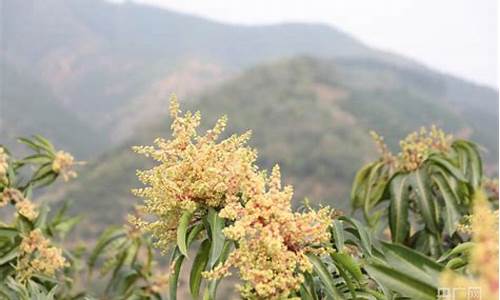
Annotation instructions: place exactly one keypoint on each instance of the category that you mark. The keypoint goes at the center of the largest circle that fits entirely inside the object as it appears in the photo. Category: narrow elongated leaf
(338, 234)
(109, 236)
(44, 143)
(216, 225)
(42, 171)
(375, 187)
(28, 143)
(305, 293)
(359, 185)
(39, 159)
(193, 233)
(349, 264)
(402, 283)
(182, 232)
(309, 283)
(199, 265)
(325, 277)
(474, 167)
(347, 280)
(364, 236)
(7, 257)
(8, 233)
(398, 208)
(421, 184)
(452, 216)
(211, 289)
(458, 250)
(412, 262)
(177, 260)
(448, 166)
(456, 263)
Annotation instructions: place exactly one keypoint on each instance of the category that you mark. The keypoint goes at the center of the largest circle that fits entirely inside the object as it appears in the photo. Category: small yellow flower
(383, 149)
(483, 261)
(415, 148)
(11, 195)
(3, 165)
(27, 209)
(273, 242)
(63, 164)
(38, 257)
(193, 171)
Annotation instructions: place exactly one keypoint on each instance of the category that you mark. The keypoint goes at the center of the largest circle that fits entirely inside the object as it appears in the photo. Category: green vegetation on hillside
(205, 194)
(313, 117)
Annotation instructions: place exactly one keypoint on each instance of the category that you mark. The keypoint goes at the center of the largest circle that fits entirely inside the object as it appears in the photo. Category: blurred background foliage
(94, 77)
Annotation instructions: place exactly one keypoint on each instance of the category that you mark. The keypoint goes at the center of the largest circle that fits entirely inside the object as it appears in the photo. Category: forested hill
(312, 117)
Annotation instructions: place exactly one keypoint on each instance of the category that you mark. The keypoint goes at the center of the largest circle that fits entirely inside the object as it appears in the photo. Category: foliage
(423, 192)
(35, 260)
(206, 199)
(311, 116)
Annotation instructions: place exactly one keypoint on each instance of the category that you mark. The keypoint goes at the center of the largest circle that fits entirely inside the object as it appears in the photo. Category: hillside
(28, 106)
(312, 117)
(100, 59)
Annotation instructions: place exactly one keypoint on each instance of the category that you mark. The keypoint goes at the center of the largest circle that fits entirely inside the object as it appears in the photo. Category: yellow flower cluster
(194, 172)
(3, 165)
(383, 149)
(63, 164)
(11, 195)
(415, 148)
(483, 263)
(23, 205)
(38, 257)
(273, 242)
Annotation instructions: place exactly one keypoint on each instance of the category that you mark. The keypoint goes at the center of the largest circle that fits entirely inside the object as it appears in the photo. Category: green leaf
(421, 184)
(182, 231)
(44, 180)
(8, 233)
(452, 215)
(305, 293)
(177, 260)
(349, 264)
(364, 236)
(211, 290)
(458, 250)
(401, 282)
(109, 236)
(28, 143)
(7, 257)
(338, 234)
(359, 185)
(193, 233)
(456, 263)
(199, 265)
(398, 208)
(412, 262)
(42, 171)
(38, 159)
(374, 190)
(473, 164)
(310, 285)
(448, 166)
(66, 225)
(44, 143)
(216, 225)
(325, 277)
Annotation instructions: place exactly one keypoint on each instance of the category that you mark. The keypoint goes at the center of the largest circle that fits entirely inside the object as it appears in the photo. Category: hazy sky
(454, 36)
